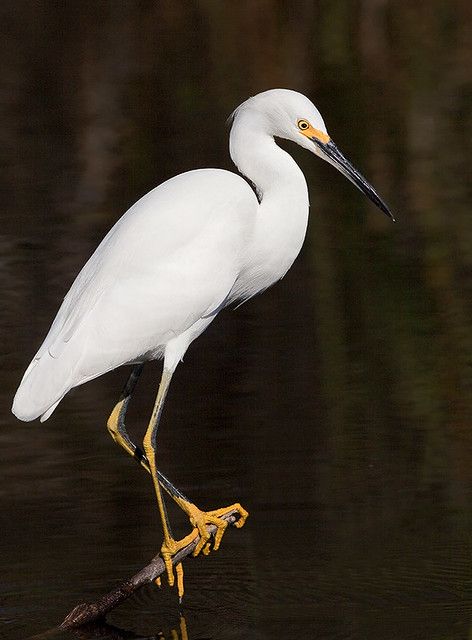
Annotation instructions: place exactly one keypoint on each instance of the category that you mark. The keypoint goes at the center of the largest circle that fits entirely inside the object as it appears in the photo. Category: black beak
(336, 158)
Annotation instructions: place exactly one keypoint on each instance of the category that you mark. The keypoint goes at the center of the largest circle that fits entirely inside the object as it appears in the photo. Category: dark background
(336, 407)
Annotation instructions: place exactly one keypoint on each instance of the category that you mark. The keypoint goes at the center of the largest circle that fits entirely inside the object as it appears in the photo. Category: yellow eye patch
(310, 132)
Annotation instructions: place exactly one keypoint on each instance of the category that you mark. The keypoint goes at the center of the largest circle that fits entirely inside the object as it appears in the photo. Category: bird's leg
(199, 519)
(117, 428)
(116, 422)
(169, 546)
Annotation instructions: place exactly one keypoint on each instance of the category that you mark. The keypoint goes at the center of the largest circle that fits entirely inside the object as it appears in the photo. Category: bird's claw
(200, 521)
(168, 550)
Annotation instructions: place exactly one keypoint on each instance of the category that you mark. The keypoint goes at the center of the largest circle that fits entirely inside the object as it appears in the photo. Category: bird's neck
(280, 226)
(270, 169)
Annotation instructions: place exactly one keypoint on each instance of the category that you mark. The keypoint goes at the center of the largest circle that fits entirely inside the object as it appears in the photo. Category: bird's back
(172, 258)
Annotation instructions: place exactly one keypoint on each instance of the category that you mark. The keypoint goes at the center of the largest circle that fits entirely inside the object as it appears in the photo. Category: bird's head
(291, 115)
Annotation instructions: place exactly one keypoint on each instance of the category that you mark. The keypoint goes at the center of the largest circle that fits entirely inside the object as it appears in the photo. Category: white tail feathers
(42, 388)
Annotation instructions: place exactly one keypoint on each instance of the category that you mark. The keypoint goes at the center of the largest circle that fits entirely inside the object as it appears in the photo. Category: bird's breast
(277, 238)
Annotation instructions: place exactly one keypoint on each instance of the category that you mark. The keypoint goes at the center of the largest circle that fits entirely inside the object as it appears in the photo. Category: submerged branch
(89, 612)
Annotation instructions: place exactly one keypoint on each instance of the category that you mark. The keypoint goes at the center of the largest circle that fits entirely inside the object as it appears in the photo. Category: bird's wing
(161, 223)
(142, 255)
(85, 292)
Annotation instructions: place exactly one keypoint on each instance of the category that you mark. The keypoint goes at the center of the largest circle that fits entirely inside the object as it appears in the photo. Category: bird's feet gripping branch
(205, 524)
(200, 521)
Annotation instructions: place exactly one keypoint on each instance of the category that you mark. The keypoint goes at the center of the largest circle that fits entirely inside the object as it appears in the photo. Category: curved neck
(258, 157)
(280, 226)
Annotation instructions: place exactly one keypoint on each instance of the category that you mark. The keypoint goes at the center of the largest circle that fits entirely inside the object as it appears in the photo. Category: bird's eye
(303, 125)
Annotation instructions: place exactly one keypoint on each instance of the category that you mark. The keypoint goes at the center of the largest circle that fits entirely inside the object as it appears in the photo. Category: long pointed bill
(332, 154)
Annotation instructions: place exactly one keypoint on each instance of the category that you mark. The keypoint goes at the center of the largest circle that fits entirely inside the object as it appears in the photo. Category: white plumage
(185, 250)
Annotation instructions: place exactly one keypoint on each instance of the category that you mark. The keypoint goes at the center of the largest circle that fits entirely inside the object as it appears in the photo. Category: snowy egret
(190, 247)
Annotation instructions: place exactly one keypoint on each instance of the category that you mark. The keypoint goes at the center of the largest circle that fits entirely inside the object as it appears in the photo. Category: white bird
(190, 247)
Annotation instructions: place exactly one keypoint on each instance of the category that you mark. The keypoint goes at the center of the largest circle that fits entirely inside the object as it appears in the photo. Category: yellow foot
(168, 550)
(200, 521)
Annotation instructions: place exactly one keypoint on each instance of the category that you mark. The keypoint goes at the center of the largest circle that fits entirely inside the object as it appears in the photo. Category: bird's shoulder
(200, 190)
(173, 214)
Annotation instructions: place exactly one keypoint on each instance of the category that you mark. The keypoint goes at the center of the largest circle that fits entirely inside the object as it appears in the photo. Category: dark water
(336, 407)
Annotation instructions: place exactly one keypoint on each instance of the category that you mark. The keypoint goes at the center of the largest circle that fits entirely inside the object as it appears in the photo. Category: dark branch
(89, 612)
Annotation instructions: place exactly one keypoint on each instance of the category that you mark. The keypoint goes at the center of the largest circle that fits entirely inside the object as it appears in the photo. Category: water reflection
(110, 632)
(337, 406)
